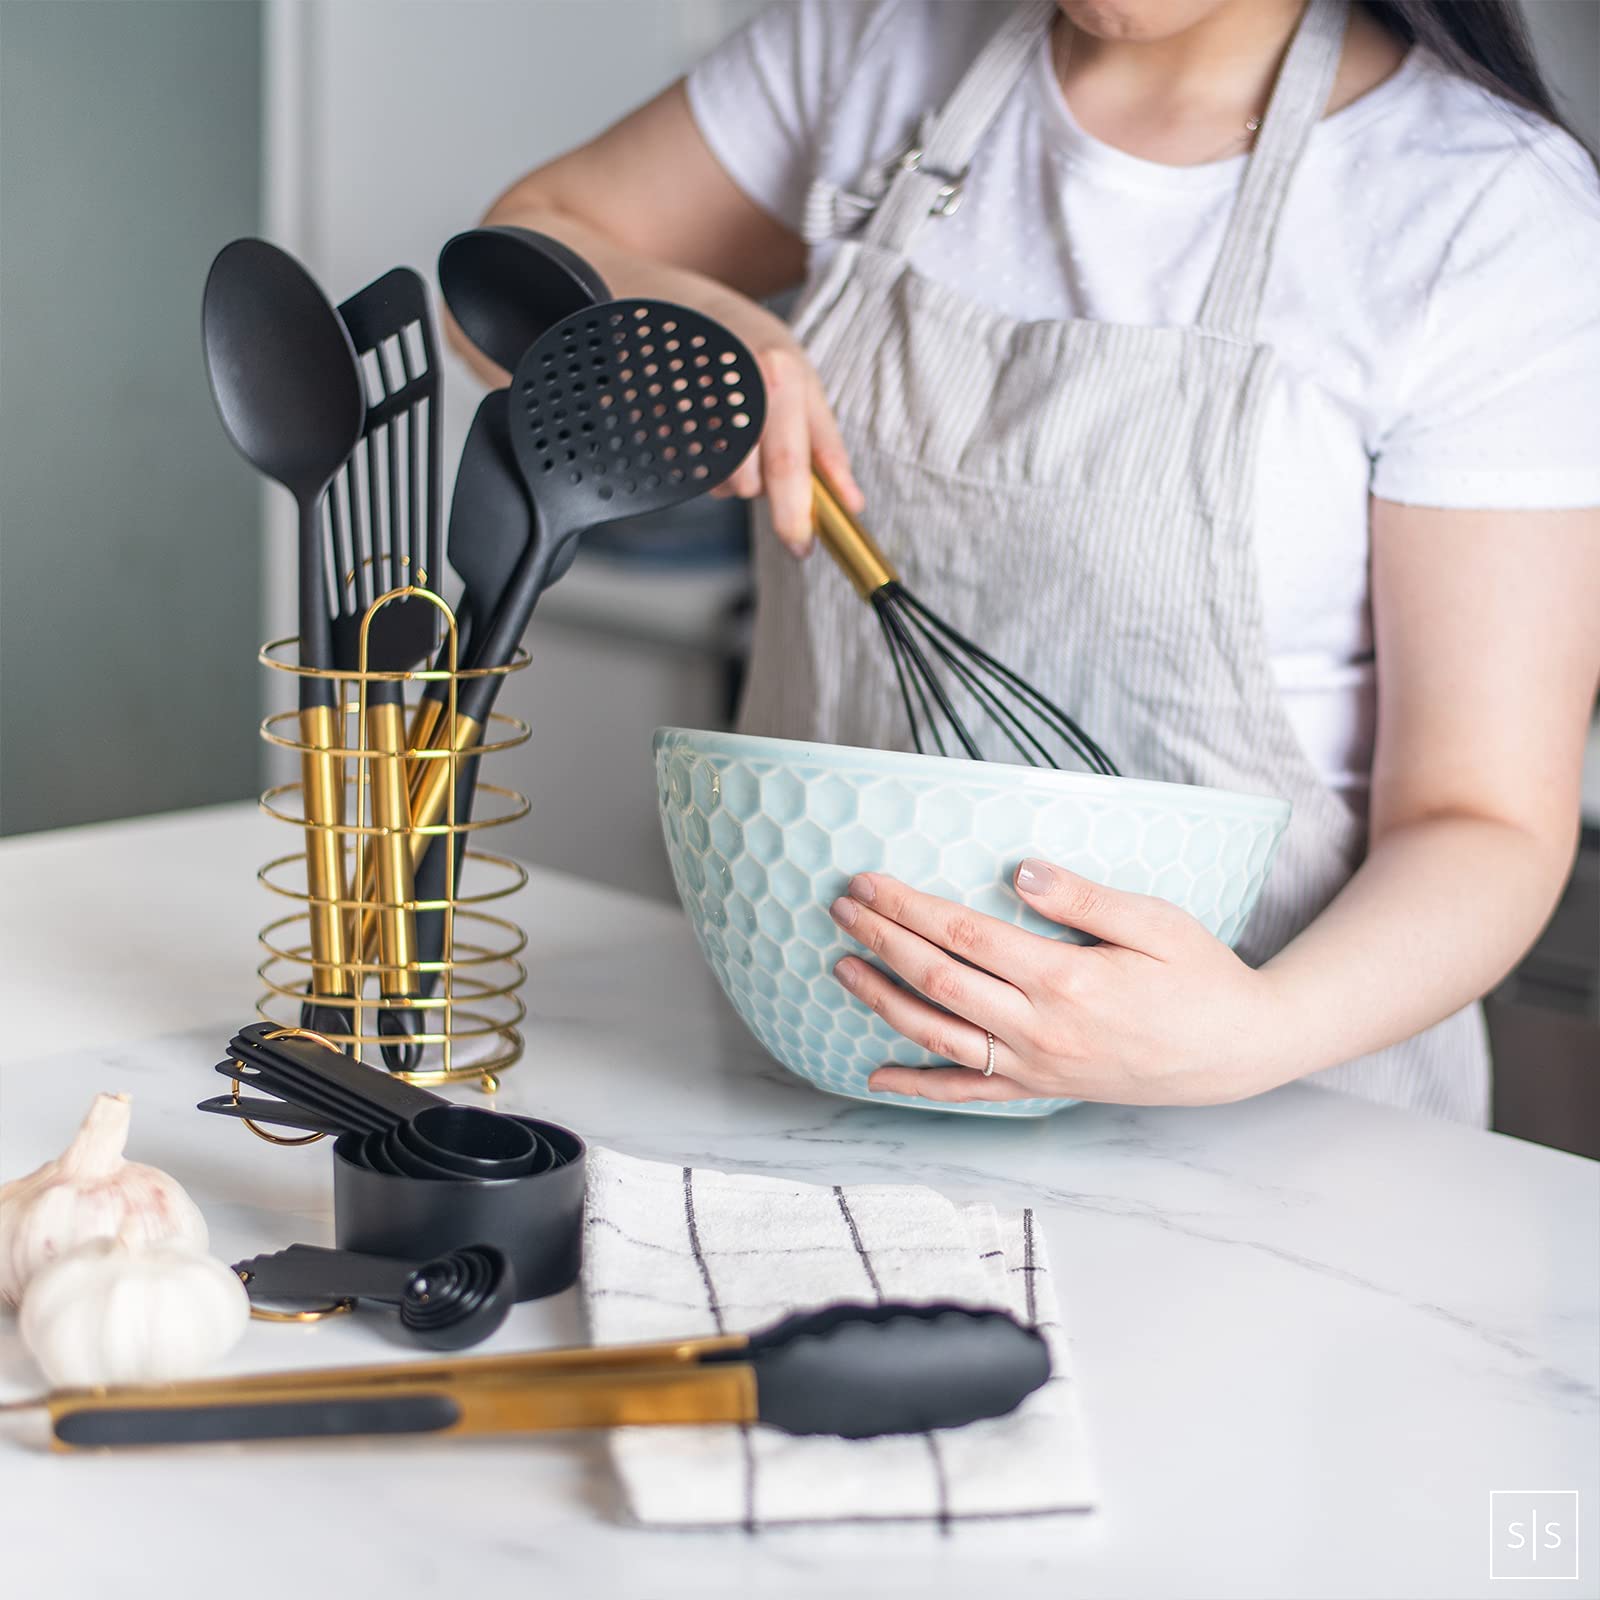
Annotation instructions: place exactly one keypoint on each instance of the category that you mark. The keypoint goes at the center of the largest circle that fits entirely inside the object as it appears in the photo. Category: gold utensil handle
(322, 785)
(430, 786)
(864, 564)
(391, 812)
(180, 1414)
(522, 1367)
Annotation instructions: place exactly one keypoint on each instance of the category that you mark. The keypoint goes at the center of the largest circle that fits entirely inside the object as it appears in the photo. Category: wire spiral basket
(453, 1017)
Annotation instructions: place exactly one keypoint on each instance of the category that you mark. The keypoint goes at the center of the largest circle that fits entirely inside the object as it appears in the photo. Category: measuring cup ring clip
(286, 1140)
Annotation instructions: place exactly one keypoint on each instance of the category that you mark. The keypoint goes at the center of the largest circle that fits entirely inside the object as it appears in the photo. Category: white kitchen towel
(672, 1250)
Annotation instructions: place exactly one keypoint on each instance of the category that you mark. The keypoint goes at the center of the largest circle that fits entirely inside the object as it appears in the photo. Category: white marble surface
(1312, 1334)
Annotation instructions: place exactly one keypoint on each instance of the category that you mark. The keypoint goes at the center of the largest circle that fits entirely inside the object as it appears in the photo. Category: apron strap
(1238, 281)
(927, 180)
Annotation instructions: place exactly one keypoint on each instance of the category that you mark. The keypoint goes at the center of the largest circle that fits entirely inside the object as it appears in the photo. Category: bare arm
(1488, 657)
(652, 208)
(1488, 650)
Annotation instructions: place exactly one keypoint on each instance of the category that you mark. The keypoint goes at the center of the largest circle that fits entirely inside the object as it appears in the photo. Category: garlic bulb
(90, 1192)
(116, 1312)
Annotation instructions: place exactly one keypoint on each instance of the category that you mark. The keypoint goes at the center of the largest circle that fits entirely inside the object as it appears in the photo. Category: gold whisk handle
(864, 564)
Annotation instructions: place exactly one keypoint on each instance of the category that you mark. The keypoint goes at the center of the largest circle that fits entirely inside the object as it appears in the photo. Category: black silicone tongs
(852, 1370)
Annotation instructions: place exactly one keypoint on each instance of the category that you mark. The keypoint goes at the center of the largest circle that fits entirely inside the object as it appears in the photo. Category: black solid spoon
(288, 389)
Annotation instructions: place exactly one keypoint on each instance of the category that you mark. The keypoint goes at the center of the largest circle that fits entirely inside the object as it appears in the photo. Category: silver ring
(988, 1066)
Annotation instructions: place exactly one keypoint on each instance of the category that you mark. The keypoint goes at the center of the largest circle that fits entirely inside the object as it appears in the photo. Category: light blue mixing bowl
(764, 834)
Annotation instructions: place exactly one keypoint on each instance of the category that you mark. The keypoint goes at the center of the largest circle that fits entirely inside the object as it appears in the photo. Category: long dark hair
(1484, 41)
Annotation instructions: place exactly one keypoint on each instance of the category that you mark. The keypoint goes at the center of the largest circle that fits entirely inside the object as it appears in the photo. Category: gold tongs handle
(580, 1388)
(624, 1397)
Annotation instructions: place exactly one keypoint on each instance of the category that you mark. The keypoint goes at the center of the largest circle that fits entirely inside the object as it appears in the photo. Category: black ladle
(449, 1303)
(288, 389)
(507, 287)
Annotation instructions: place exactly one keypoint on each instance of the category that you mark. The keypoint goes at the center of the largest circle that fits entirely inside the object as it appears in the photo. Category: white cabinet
(391, 127)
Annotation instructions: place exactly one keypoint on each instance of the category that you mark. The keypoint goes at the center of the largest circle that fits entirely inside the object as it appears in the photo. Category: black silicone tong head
(851, 1370)
(857, 1370)
(449, 1303)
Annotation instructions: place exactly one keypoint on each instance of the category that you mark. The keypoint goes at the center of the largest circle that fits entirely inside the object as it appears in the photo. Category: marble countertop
(1312, 1335)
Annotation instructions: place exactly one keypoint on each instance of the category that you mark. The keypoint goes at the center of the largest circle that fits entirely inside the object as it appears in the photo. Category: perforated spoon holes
(637, 396)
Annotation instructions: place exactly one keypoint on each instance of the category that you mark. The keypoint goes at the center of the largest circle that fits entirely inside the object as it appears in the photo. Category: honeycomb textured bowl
(763, 835)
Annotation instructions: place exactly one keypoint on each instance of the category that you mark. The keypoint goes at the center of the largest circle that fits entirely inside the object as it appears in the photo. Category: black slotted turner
(397, 543)
(623, 408)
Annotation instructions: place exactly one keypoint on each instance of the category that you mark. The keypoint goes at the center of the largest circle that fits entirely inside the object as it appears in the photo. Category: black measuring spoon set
(417, 1176)
(449, 1303)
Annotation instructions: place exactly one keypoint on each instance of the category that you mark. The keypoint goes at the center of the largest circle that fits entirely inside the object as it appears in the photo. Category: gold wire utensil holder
(458, 1016)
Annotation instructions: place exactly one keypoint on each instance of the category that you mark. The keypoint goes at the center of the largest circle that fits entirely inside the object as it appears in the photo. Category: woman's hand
(1160, 1012)
(652, 208)
(800, 427)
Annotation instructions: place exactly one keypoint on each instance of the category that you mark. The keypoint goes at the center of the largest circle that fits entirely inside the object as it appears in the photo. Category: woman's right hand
(648, 204)
(800, 429)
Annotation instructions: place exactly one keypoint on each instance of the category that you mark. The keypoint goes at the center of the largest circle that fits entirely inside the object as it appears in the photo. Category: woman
(1232, 368)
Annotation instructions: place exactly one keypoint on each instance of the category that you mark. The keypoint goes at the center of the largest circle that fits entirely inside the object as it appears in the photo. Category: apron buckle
(947, 199)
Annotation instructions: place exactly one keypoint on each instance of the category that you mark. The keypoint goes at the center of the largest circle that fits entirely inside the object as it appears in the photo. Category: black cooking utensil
(507, 287)
(449, 1303)
(851, 1370)
(288, 389)
(536, 1219)
(396, 545)
(628, 407)
(424, 1134)
(490, 521)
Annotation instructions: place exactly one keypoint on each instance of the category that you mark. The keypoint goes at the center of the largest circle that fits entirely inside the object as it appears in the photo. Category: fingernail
(845, 972)
(863, 889)
(1035, 877)
(844, 911)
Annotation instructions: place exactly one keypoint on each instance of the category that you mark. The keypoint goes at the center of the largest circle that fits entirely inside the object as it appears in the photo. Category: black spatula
(397, 544)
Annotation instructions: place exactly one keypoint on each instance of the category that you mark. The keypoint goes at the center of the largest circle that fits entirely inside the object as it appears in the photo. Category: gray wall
(1566, 37)
(130, 590)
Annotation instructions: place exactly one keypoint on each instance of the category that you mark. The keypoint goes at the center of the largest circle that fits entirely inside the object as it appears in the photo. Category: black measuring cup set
(448, 1212)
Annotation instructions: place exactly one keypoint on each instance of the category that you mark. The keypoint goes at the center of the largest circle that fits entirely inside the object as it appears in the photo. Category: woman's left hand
(1160, 1012)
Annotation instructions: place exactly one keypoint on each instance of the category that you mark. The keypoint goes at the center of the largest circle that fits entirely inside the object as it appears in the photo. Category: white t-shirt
(1434, 297)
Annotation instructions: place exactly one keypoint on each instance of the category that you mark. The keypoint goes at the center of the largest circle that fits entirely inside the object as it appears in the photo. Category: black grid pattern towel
(675, 1251)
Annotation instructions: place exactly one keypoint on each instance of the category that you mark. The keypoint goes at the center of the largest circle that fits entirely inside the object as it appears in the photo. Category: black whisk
(921, 643)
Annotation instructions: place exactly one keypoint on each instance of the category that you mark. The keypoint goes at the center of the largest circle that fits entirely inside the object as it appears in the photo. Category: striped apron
(1077, 496)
